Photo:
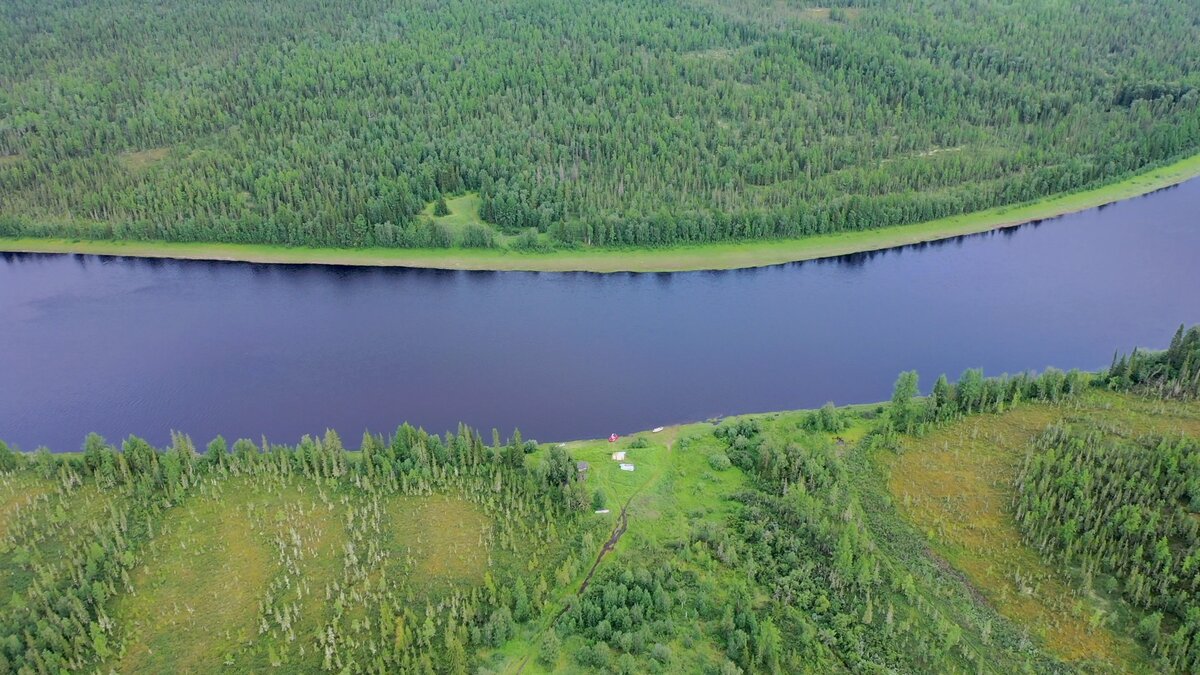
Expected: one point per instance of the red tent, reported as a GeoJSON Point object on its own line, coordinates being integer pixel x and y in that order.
{"type": "Point", "coordinates": [613, 438]}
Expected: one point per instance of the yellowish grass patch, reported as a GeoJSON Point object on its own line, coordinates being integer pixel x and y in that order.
{"type": "Point", "coordinates": [825, 13]}
{"type": "Point", "coordinates": [196, 595]}
{"type": "Point", "coordinates": [445, 539]}
{"type": "Point", "coordinates": [141, 160]}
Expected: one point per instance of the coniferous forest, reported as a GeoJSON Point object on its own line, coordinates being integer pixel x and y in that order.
{"type": "Point", "coordinates": [610, 123]}
{"type": "Point", "coordinates": [829, 540]}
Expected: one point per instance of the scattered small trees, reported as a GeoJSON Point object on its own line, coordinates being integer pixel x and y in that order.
{"type": "Point", "coordinates": [1110, 505]}
{"type": "Point", "coordinates": [533, 511]}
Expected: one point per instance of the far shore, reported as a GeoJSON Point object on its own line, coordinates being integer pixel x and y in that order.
{"type": "Point", "coordinates": [718, 256]}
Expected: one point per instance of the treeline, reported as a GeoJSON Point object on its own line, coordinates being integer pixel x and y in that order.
{"type": "Point", "coordinates": [633, 123]}
{"type": "Point", "coordinates": [1174, 373]}
{"type": "Point", "coordinates": [64, 574]}
{"type": "Point", "coordinates": [1125, 512]}
{"type": "Point", "coordinates": [974, 393]}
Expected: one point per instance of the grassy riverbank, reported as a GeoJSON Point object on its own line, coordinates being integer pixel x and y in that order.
{"type": "Point", "coordinates": [702, 257]}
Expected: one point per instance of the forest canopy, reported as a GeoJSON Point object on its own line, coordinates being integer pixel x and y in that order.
{"type": "Point", "coordinates": [636, 122]}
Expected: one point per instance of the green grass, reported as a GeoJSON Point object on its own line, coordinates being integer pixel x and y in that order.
{"type": "Point", "coordinates": [195, 599]}
{"type": "Point", "coordinates": [464, 210]}
{"type": "Point", "coordinates": [442, 540]}
{"type": "Point", "coordinates": [700, 257]}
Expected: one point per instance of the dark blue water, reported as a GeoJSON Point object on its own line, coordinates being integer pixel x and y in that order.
{"type": "Point", "coordinates": [124, 346]}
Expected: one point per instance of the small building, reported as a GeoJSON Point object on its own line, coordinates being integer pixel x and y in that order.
{"type": "Point", "coordinates": [582, 468]}
{"type": "Point", "coordinates": [619, 456]}
{"type": "Point", "coordinates": [627, 467]}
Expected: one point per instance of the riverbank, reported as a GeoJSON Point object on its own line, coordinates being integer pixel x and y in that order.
{"type": "Point", "coordinates": [677, 259]}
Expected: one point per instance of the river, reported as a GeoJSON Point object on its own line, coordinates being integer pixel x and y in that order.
{"type": "Point", "coordinates": [132, 346]}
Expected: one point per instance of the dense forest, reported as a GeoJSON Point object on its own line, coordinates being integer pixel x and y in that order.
{"type": "Point", "coordinates": [765, 543]}
{"type": "Point", "coordinates": [630, 122]}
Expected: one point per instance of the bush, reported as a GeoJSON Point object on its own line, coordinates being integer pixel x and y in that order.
{"type": "Point", "coordinates": [719, 461]}
{"type": "Point", "coordinates": [8, 458]}
{"type": "Point", "coordinates": [478, 236]}
{"type": "Point", "coordinates": [529, 240]}
{"type": "Point", "coordinates": [828, 419]}
{"type": "Point", "coordinates": [661, 653]}
{"type": "Point", "coordinates": [1149, 627]}
{"type": "Point", "coordinates": [597, 656]}
{"type": "Point", "coordinates": [548, 651]}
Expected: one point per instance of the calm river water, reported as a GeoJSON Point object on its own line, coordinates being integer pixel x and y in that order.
{"type": "Point", "coordinates": [126, 346]}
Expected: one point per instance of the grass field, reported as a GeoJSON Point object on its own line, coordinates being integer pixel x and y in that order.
{"type": "Point", "coordinates": [143, 159]}
{"type": "Point", "coordinates": [956, 486]}
{"type": "Point", "coordinates": [222, 556]}
{"type": "Point", "coordinates": [195, 599]}
{"type": "Point", "coordinates": [464, 210]}
{"type": "Point", "coordinates": [444, 540]}
{"type": "Point", "coordinates": [702, 257]}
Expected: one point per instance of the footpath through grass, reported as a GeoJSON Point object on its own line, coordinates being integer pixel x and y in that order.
{"type": "Point", "coordinates": [677, 259]}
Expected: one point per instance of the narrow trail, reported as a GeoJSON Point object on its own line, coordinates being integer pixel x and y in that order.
{"type": "Point", "coordinates": [619, 531]}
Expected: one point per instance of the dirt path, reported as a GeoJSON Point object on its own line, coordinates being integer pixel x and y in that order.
{"type": "Point", "coordinates": [619, 531]}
